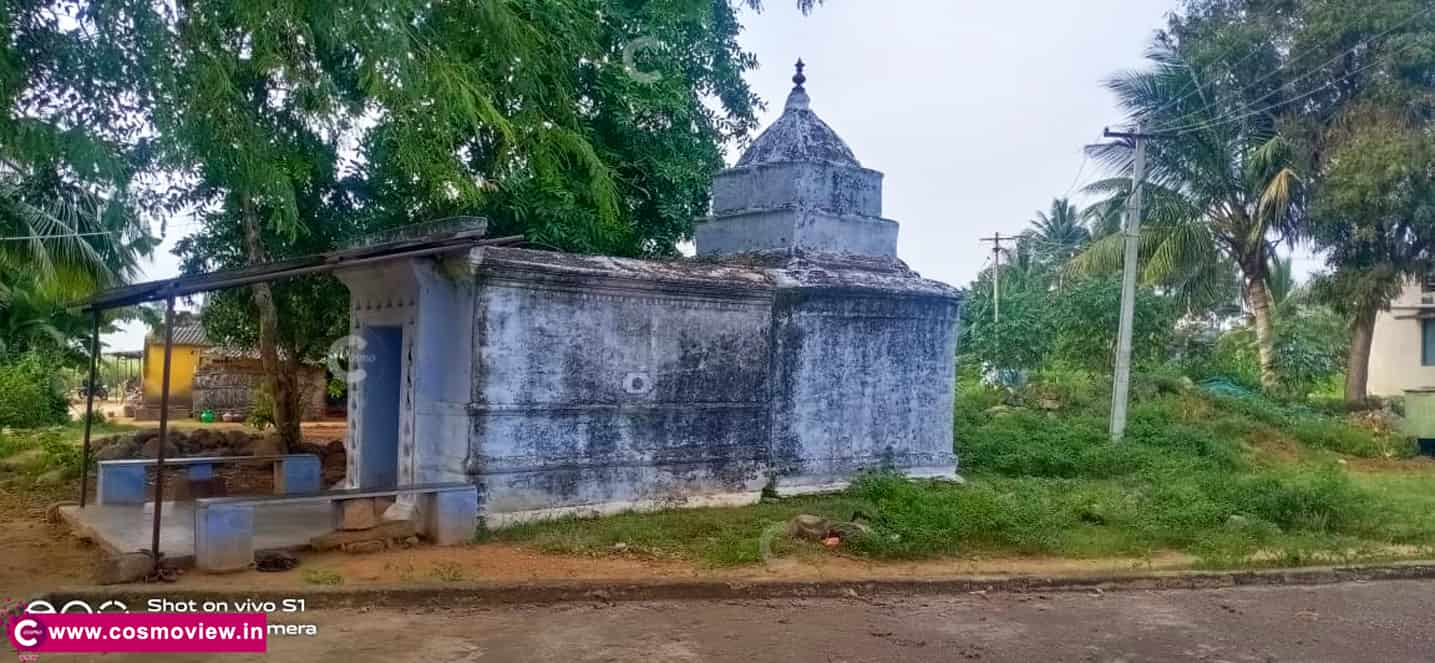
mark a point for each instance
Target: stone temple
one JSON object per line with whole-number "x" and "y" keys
{"x": 792, "y": 353}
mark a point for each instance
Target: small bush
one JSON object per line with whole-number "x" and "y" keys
{"x": 261, "y": 413}
{"x": 925, "y": 520}
{"x": 1322, "y": 500}
{"x": 58, "y": 450}
{"x": 30, "y": 393}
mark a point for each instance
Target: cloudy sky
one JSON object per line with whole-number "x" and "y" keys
{"x": 976, "y": 111}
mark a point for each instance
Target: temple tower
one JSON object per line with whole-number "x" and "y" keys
{"x": 798, "y": 187}
{"x": 863, "y": 353}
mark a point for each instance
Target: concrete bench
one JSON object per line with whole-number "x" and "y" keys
{"x": 224, "y": 526}
{"x": 123, "y": 481}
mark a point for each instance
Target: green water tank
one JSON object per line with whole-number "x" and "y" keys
{"x": 1420, "y": 413}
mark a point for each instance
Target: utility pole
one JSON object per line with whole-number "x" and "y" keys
{"x": 1121, "y": 384}
{"x": 996, "y": 241}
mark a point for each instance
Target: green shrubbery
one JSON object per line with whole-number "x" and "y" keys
{"x": 30, "y": 393}
{"x": 47, "y": 451}
{"x": 1075, "y": 327}
{"x": 1043, "y": 478}
{"x": 1310, "y": 350}
{"x": 1157, "y": 509}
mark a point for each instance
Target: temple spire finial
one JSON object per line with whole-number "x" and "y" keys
{"x": 798, "y": 99}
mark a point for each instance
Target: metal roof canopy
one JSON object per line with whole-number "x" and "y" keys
{"x": 446, "y": 236}
{"x": 320, "y": 263}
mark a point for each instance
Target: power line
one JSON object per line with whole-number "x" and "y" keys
{"x": 31, "y": 238}
{"x": 1080, "y": 170}
{"x": 1363, "y": 43}
{"x": 1257, "y": 49}
{"x": 1216, "y": 122}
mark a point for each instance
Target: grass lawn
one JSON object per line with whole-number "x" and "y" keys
{"x": 1231, "y": 481}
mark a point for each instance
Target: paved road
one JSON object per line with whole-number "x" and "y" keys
{"x": 1383, "y": 621}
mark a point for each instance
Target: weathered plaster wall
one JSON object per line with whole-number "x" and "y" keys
{"x": 803, "y": 206}
{"x": 862, "y": 382}
{"x": 607, "y": 384}
{"x": 1396, "y": 359}
{"x": 570, "y": 384}
{"x": 443, "y": 380}
{"x": 182, "y": 362}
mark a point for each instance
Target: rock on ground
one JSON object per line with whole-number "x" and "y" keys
{"x": 401, "y": 530}
{"x": 124, "y": 568}
{"x": 357, "y": 514}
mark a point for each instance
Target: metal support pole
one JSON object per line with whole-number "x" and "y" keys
{"x": 163, "y": 423}
{"x": 997, "y": 283}
{"x": 89, "y": 406}
{"x": 1121, "y": 384}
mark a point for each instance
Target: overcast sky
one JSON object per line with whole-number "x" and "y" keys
{"x": 976, "y": 111}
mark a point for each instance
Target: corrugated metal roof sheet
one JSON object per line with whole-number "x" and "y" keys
{"x": 443, "y": 242}
{"x": 185, "y": 334}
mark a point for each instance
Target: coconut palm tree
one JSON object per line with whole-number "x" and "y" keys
{"x": 73, "y": 241}
{"x": 1220, "y": 190}
{"x": 1059, "y": 234}
{"x": 1282, "y": 283}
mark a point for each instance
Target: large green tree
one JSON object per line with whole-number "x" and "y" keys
{"x": 1285, "y": 120}
{"x": 1375, "y": 215}
{"x": 588, "y": 125}
{"x": 70, "y": 218}
{"x": 1366, "y": 132}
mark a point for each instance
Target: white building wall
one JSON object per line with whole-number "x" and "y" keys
{"x": 1395, "y": 360}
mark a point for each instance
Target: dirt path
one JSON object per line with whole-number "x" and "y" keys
{"x": 513, "y": 563}
{"x": 37, "y": 556}
{"x": 1384, "y": 621}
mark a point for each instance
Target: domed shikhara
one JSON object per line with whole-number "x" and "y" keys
{"x": 799, "y": 135}
{"x": 798, "y": 189}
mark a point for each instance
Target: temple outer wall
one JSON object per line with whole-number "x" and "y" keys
{"x": 562, "y": 384}
{"x": 603, "y": 385}
{"x": 863, "y": 380}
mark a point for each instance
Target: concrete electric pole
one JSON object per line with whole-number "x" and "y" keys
{"x": 1121, "y": 384}
{"x": 996, "y": 241}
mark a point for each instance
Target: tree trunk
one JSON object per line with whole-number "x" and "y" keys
{"x": 1259, "y": 298}
{"x": 1357, "y": 359}
{"x": 279, "y": 380}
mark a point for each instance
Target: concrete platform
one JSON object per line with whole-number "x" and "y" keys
{"x": 128, "y": 528}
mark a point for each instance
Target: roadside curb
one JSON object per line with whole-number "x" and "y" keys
{"x": 548, "y": 592}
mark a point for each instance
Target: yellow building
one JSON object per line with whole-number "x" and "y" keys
{"x": 202, "y": 375}
{"x": 189, "y": 343}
